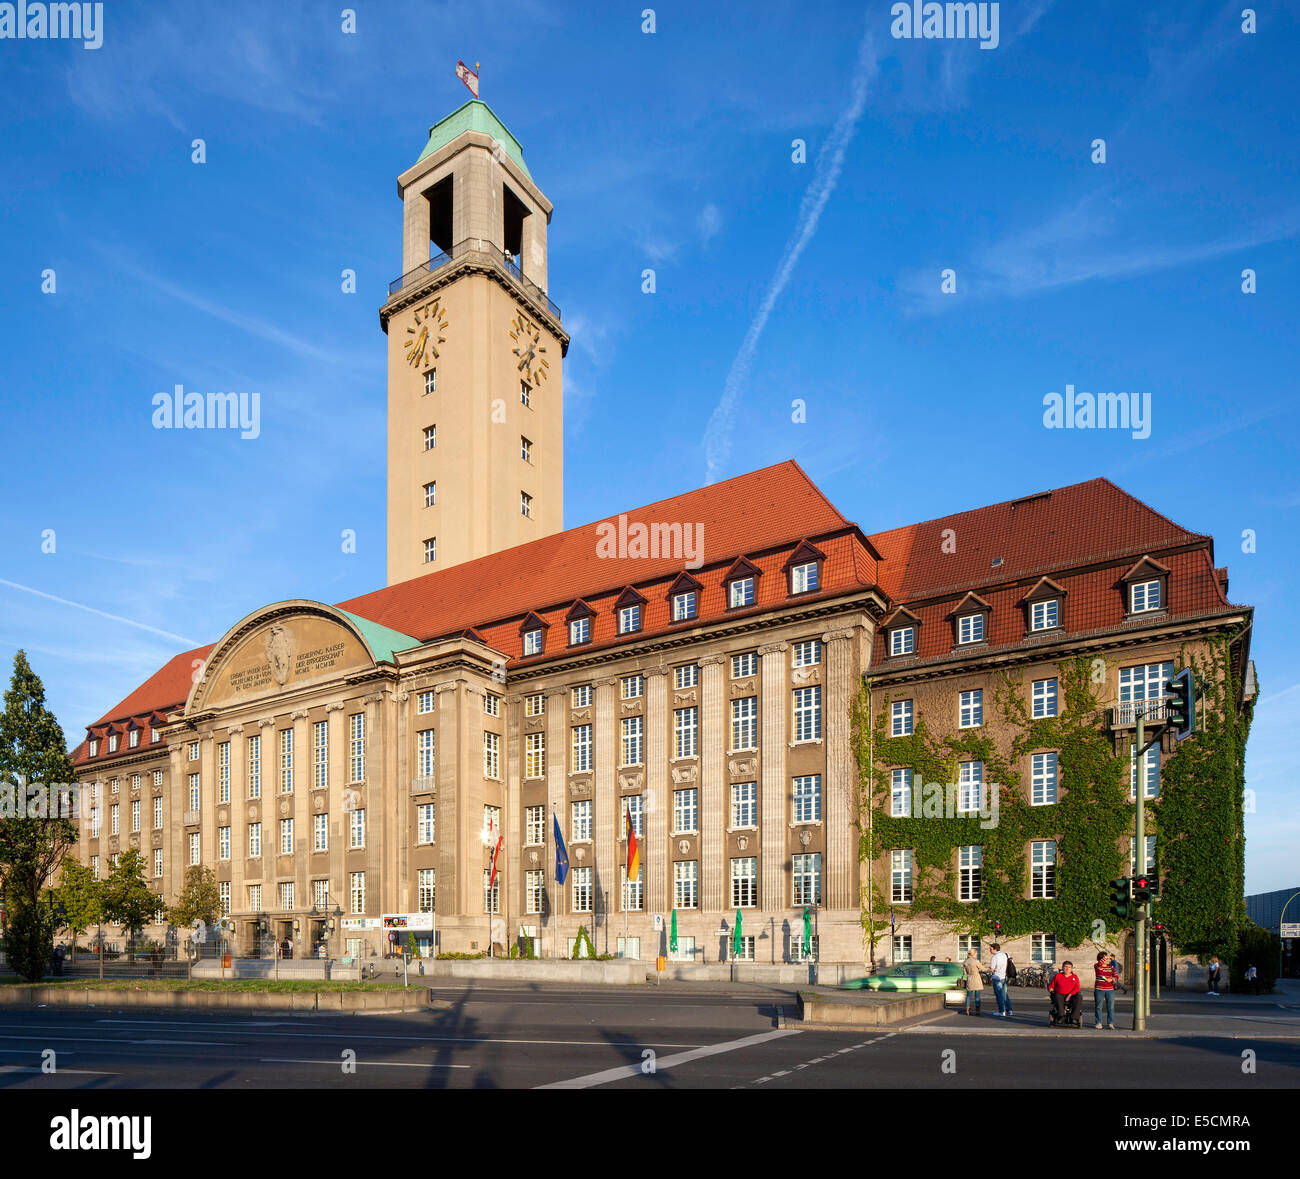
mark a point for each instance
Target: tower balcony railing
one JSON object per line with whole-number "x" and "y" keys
{"x": 424, "y": 785}
{"x": 1125, "y": 714}
{"x": 473, "y": 245}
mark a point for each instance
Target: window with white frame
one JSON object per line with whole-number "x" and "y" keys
{"x": 581, "y": 894}
{"x": 357, "y": 891}
{"x": 194, "y": 847}
{"x": 631, "y": 740}
{"x": 1043, "y": 777}
{"x": 966, "y": 942}
{"x": 580, "y": 697}
{"x": 254, "y": 840}
{"x": 900, "y": 793}
{"x": 157, "y": 863}
{"x": 533, "y": 891}
{"x": 534, "y": 755}
{"x": 157, "y": 777}
{"x": 94, "y": 748}
{"x": 223, "y": 843}
{"x": 133, "y": 738}
{"x": 902, "y": 947}
{"x": 320, "y": 755}
{"x": 1043, "y": 698}
{"x": 357, "y": 746}
{"x": 157, "y": 812}
{"x": 192, "y": 751}
{"x": 1149, "y": 868}
{"x": 430, "y": 549}
{"x": 799, "y": 952}
{"x": 320, "y": 894}
{"x": 970, "y": 866}
{"x": 629, "y": 619}
{"x": 740, "y": 592}
{"x": 112, "y": 742}
{"x": 94, "y": 866}
{"x": 194, "y": 792}
{"x": 1042, "y": 947}
{"x": 525, "y": 504}
{"x": 744, "y": 804}
{"x": 135, "y": 783}
{"x": 431, "y": 494}
{"x": 113, "y": 818}
{"x": 1045, "y": 615}
{"x": 746, "y": 952}
{"x": 634, "y": 810}
{"x": 686, "y": 885}
{"x": 902, "y": 640}
{"x": 807, "y": 878}
{"x": 431, "y": 380}
{"x": 579, "y": 631}
{"x": 135, "y": 814}
{"x": 686, "y": 732}
{"x": 286, "y": 837}
{"x": 580, "y": 821}
{"x": 632, "y": 891}
{"x": 534, "y": 825}
{"x": 430, "y": 437}
{"x": 426, "y": 890}
{"x": 533, "y": 641}
{"x": 808, "y": 713}
{"x": 1042, "y": 869}
{"x": 581, "y": 748}
{"x": 970, "y": 628}
{"x": 425, "y": 822}
{"x": 900, "y": 718}
{"x": 686, "y": 811}
{"x": 1150, "y": 772}
{"x": 255, "y": 897}
{"x": 492, "y": 755}
{"x": 424, "y": 753}
{"x": 971, "y": 709}
{"x": 320, "y": 837}
{"x": 286, "y": 761}
{"x": 744, "y": 882}
{"x": 1144, "y": 596}
{"x": 491, "y": 823}
{"x": 253, "y": 767}
{"x": 631, "y": 687}
{"x": 900, "y": 877}
{"x": 534, "y": 704}
{"x": 491, "y": 704}
{"x": 357, "y": 828}
{"x": 807, "y": 798}
{"x": 112, "y": 783}
{"x": 744, "y": 665}
{"x": 424, "y": 703}
{"x": 970, "y": 786}
{"x": 803, "y": 578}
{"x": 684, "y": 606}
{"x": 744, "y": 724}
{"x": 686, "y": 676}
{"x": 525, "y": 449}
{"x": 807, "y": 652}
{"x": 1146, "y": 681}
{"x": 491, "y": 891}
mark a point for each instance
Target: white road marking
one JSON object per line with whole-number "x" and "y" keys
{"x": 67, "y": 1072}
{"x": 634, "y": 1070}
{"x": 374, "y": 1063}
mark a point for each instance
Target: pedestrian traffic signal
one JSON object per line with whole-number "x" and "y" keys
{"x": 1142, "y": 890}
{"x": 1180, "y": 709}
{"x": 1157, "y": 927}
{"x": 997, "y": 928}
{"x": 1121, "y": 897}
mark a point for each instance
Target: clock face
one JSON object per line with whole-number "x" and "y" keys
{"x": 530, "y": 352}
{"x": 425, "y": 333}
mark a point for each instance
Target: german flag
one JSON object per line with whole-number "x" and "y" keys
{"x": 633, "y": 854}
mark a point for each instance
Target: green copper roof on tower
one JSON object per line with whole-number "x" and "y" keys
{"x": 475, "y": 115}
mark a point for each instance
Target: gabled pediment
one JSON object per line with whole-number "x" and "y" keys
{"x": 683, "y": 584}
{"x": 579, "y": 609}
{"x": 741, "y": 567}
{"x": 629, "y": 597}
{"x": 533, "y": 621}
{"x": 1044, "y": 590}
{"x": 805, "y": 552}
{"x": 1148, "y": 568}
{"x": 972, "y": 603}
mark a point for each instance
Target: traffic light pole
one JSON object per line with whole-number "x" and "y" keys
{"x": 1140, "y": 849}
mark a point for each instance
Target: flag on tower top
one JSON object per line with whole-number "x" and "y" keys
{"x": 468, "y": 76}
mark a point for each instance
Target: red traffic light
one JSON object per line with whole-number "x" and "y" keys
{"x": 1141, "y": 882}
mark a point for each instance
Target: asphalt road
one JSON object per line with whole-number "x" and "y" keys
{"x": 672, "y": 1037}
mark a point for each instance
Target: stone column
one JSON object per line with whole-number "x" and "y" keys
{"x": 336, "y": 730}
{"x": 658, "y": 793}
{"x": 400, "y": 793}
{"x": 775, "y": 690}
{"x": 301, "y": 812}
{"x": 839, "y": 811}
{"x": 606, "y": 819}
{"x": 713, "y": 803}
{"x": 557, "y": 764}
{"x": 450, "y": 899}
{"x": 238, "y": 739}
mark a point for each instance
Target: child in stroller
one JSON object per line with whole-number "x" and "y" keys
{"x": 1065, "y": 998}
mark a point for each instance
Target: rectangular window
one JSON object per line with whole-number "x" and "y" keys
{"x": 491, "y": 823}
{"x": 157, "y": 864}
{"x": 686, "y": 811}
{"x": 286, "y": 896}
{"x": 431, "y": 381}
{"x": 744, "y": 882}
{"x": 1148, "y": 681}
{"x": 808, "y": 798}
{"x": 1150, "y": 772}
{"x": 1045, "y": 615}
{"x": 425, "y": 823}
{"x": 902, "y": 640}
{"x": 1149, "y": 868}
{"x": 424, "y": 703}
{"x": 966, "y": 942}
{"x": 1043, "y": 779}
{"x": 253, "y": 767}
{"x": 1044, "y": 698}
{"x": 686, "y": 885}
{"x": 430, "y": 549}
{"x": 491, "y": 891}
{"x": 112, "y": 818}
{"x": 255, "y": 897}
{"x": 320, "y": 837}
{"x": 194, "y": 792}
{"x": 686, "y": 676}
{"x": 580, "y": 821}
{"x": 686, "y": 732}
{"x": 431, "y": 495}
{"x": 634, "y": 809}
{"x": 424, "y": 751}
{"x": 525, "y": 504}
{"x": 320, "y": 894}
{"x": 286, "y": 837}
{"x": 1042, "y": 947}
{"x": 900, "y": 718}
{"x": 631, "y": 740}
{"x": 744, "y": 665}
{"x": 357, "y": 891}
{"x": 525, "y": 449}
{"x": 900, "y": 877}
{"x": 1042, "y": 865}
{"x": 534, "y": 825}
{"x": 808, "y": 879}
{"x": 632, "y": 891}
{"x": 426, "y": 890}
{"x": 740, "y": 592}
{"x": 223, "y": 843}
{"x": 803, "y": 578}
{"x": 357, "y": 828}
{"x": 631, "y": 687}
{"x": 157, "y": 812}
{"x": 900, "y": 796}
{"x": 808, "y": 713}
{"x": 744, "y": 724}
{"x": 525, "y": 394}
{"x": 133, "y": 738}
{"x": 684, "y": 606}
{"x": 970, "y": 865}
{"x": 357, "y": 746}
{"x": 430, "y": 437}
{"x": 223, "y": 772}
{"x": 581, "y": 897}
{"x": 629, "y": 619}
{"x": 135, "y": 783}
{"x": 286, "y": 761}
{"x": 971, "y": 710}
{"x": 193, "y": 753}
{"x": 534, "y": 705}
{"x": 491, "y": 704}
{"x": 532, "y": 642}
{"x": 157, "y": 777}
{"x": 254, "y": 840}
{"x": 970, "y": 628}
{"x": 581, "y": 748}
{"x": 580, "y": 697}
{"x": 533, "y": 891}
{"x": 807, "y": 653}
{"x": 492, "y": 755}
{"x": 744, "y": 804}
{"x": 534, "y": 755}
{"x": 970, "y": 786}
{"x": 135, "y": 814}
{"x": 320, "y": 748}
{"x": 579, "y": 631}
{"x": 1143, "y": 596}
{"x": 94, "y": 748}
{"x": 194, "y": 847}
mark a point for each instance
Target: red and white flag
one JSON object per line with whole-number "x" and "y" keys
{"x": 468, "y": 76}
{"x": 496, "y": 851}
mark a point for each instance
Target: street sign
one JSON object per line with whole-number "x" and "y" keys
{"x": 1290, "y": 929}
{"x": 659, "y": 922}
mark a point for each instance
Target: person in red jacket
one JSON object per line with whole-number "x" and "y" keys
{"x": 1066, "y": 995}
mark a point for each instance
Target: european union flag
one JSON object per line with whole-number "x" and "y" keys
{"x": 561, "y": 853}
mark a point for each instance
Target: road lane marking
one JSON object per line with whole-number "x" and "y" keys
{"x": 634, "y": 1070}
{"x": 66, "y": 1072}
{"x": 375, "y": 1063}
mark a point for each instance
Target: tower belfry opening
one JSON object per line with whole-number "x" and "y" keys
{"x": 441, "y": 198}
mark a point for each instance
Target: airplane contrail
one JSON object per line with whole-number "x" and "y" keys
{"x": 102, "y": 613}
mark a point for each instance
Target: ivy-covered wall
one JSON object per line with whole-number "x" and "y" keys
{"x": 1197, "y": 820}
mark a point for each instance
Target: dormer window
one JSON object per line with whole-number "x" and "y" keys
{"x": 94, "y": 748}
{"x": 112, "y": 743}
{"x": 1144, "y": 596}
{"x": 579, "y": 631}
{"x": 970, "y": 628}
{"x": 154, "y": 736}
{"x": 902, "y": 640}
{"x": 740, "y": 592}
{"x": 532, "y": 642}
{"x": 804, "y": 578}
{"x": 1045, "y": 615}
{"x": 629, "y": 620}
{"x": 684, "y": 606}
{"x": 134, "y": 739}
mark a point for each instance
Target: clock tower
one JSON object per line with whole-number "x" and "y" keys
{"x": 475, "y": 354}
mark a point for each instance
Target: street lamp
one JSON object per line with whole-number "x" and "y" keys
{"x": 328, "y": 916}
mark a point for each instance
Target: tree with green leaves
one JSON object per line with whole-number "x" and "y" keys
{"x": 33, "y": 754}
{"x": 82, "y": 898}
{"x": 199, "y": 899}
{"x": 128, "y": 900}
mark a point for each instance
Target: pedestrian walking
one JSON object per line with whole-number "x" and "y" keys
{"x": 1252, "y": 977}
{"x": 998, "y": 965}
{"x": 1212, "y": 977}
{"x": 974, "y": 983}
{"x": 1103, "y": 989}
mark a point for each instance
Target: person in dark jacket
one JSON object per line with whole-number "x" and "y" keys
{"x": 1066, "y": 995}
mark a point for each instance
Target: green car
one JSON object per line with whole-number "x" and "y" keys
{"x": 918, "y": 977}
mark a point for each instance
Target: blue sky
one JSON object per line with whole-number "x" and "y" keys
{"x": 775, "y": 281}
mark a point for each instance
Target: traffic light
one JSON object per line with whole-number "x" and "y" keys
{"x": 997, "y": 928}
{"x": 1142, "y": 890}
{"x": 1158, "y": 928}
{"x": 1181, "y": 706}
{"x": 1121, "y": 897}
